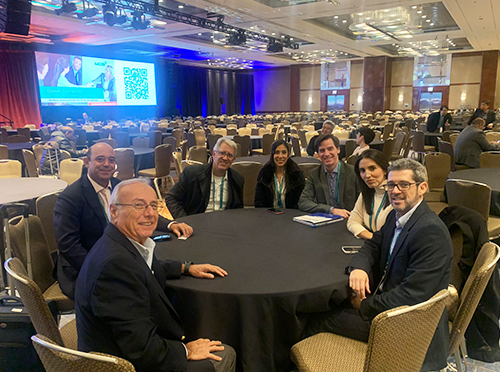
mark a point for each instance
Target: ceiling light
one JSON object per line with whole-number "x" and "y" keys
{"x": 66, "y": 8}
{"x": 414, "y": 7}
{"x": 432, "y": 24}
{"x": 139, "y": 21}
{"x": 109, "y": 14}
{"x": 424, "y": 16}
{"x": 273, "y": 33}
{"x": 419, "y": 11}
{"x": 344, "y": 21}
{"x": 181, "y": 7}
{"x": 199, "y": 33}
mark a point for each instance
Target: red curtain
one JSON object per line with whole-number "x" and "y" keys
{"x": 19, "y": 93}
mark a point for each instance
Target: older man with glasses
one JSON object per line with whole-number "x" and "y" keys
{"x": 81, "y": 214}
{"x": 209, "y": 187}
{"x": 409, "y": 259}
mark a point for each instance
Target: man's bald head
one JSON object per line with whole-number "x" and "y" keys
{"x": 101, "y": 163}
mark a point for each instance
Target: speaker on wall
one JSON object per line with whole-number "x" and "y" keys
{"x": 15, "y": 16}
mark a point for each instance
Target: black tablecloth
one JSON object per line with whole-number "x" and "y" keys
{"x": 279, "y": 271}
{"x": 263, "y": 159}
{"x": 489, "y": 176}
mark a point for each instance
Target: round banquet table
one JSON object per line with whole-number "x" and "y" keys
{"x": 488, "y": 176}
{"x": 263, "y": 159}
{"x": 279, "y": 272}
{"x": 15, "y": 189}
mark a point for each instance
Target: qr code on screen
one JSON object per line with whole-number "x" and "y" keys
{"x": 136, "y": 83}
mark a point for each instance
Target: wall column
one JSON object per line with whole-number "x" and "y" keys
{"x": 377, "y": 83}
{"x": 489, "y": 76}
{"x": 295, "y": 88}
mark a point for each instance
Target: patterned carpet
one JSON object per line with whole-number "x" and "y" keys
{"x": 477, "y": 366}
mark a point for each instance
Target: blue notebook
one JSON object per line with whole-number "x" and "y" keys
{"x": 318, "y": 219}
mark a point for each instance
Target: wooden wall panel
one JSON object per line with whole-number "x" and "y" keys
{"x": 489, "y": 76}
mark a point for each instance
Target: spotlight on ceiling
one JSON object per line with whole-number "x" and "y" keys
{"x": 139, "y": 21}
{"x": 121, "y": 18}
{"x": 109, "y": 14}
{"x": 237, "y": 38}
{"x": 274, "y": 47}
{"x": 66, "y": 8}
{"x": 89, "y": 11}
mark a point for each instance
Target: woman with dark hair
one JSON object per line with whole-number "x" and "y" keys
{"x": 372, "y": 206}
{"x": 280, "y": 181}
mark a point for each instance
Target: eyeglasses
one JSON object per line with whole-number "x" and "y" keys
{"x": 227, "y": 155}
{"x": 141, "y": 207}
{"x": 402, "y": 186}
{"x": 102, "y": 159}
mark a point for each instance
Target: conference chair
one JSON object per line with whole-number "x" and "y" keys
{"x": 350, "y": 146}
{"x": 124, "y": 164}
{"x": 122, "y": 139}
{"x": 493, "y": 136}
{"x": 267, "y": 141}
{"x": 472, "y": 292}
{"x": 45, "y": 205}
{"x": 38, "y": 309}
{"x": 154, "y": 139}
{"x": 438, "y": 169}
{"x": 399, "y": 142}
{"x": 3, "y": 135}
{"x": 221, "y": 131}
{"x": 306, "y": 167}
{"x": 490, "y": 159}
{"x": 388, "y": 348}
{"x": 142, "y": 142}
{"x": 212, "y": 140}
{"x": 191, "y": 140}
{"x": 25, "y": 132}
{"x": 388, "y": 129}
{"x": 446, "y": 135}
{"x": 255, "y": 132}
{"x": 70, "y": 170}
{"x": 419, "y": 149}
{"x": 87, "y": 127}
{"x": 169, "y": 141}
{"x": 302, "y": 137}
{"x": 473, "y": 195}
{"x": 352, "y": 159}
{"x": 30, "y": 126}
{"x": 231, "y": 132}
{"x": 109, "y": 141}
{"x": 244, "y": 142}
{"x": 10, "y": 168}
{"x": 198, "y": 153}
{"x": 453, "y": 138}
{"x": 30, "y": 162}
{"x": 263, "y": 131}
{"x": 250, "y": 170}
{"x": 7, "y": 127}
{"x": 163, "y": 158}
{"x": 388, "y": 146}
{"x": 4, "y": 152}
{"x": 41, "y": 260}
{"x": 245, "y": 131}
{"x": 297, "y": 151}
{"x": 80, "y": 137}
{"x": 56, "y": 358}
{"x": 16, "y": 138}
{"x": 309, "y": 136}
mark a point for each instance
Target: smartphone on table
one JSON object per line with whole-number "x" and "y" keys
{"x": 351, "y": 249}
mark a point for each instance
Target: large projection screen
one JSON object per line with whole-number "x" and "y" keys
{"x": 72, "y": 80}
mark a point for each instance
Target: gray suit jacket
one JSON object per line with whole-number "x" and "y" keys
{"x": 469, "y": 146}
{"x": 315, "y": 197}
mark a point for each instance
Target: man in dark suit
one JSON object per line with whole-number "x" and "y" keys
{"x": 438, "y": 119}
{"x": 210, "y": 187}
{"x": 331, "y": 187}
{"x": 81, "y": 215}
{"x": 485, "y": 113}
{"x": 471, "y": 143}
{"x": 121, "y": 305}
{"x": 74, "y": 75}
{"x": 409, "y": 259}
{"x": 327, "y": 128}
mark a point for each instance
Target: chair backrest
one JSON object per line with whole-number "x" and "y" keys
{"x": 399, "y": 141}
{"x": 45, "y": 205}
{"x": 231, "y": 131}
{"x": 407, "y": 349}
{"x": 4, "y": 152}
{"x": 140, "y": 142}
{"x": 408, "y": 145}
{"x": 438, "y": 168}
{"x": 179, "y": 167}
{"x": 446, "y": 135}
{"x": 309, "y": 136}
{"x": 245, "y": 131}
{"x": 453, "y": 138}
{"x": 472, "y": 292}
{"x": 10, "y": 168}
{"x": 109, "y": 141}
{"x": 470, "y": 194}
{"x": 122, "y": 139}
{"x": 447, "y": 148}
{"x": 199, "y": 137}
{"x": 70, "y": 170}
{"x": 244, "y": 142}
{"x": 198, "y": 153}
{"x": 29, "y": 160}
{"x": 154, "y": 139}
{"x": 163, "y": 158}
{"x": 350, "y": 146}
{"x": 418, "y": 141}
{"x": 30, "y": 126}
{"x": 492, "y": 136}
{"x": 352, "y": 159}
{"x": 212, "y": 140}
{"x": 178, "y": 134}
{"x": 56, "y": 358}
{"x": 124, "y": 164}
{"x": 388, "y": 146}
{"x": 302, "y": 137}
{"x": 221, "y": 131}
{"x": 16, "y": 138}
{"x": 296, "y": 145}
{"x": 388, "y": 128}
{"x": 169, "y": 141}
{"x": 80, "y": 137}
{"x": 267, "y": 141}
{"x": 33, "y": 299}
{"x": 25, "y": 132}
{"x": 263, "y": 131}
{"x": 306, "y": 167}
{"x": 490, "y": 159}
{"x": 250, "y": 171}
{"x": 3, "y": 135}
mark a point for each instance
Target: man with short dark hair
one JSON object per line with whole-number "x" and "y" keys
{"x": 327, "y": 128}
{"x": 409, "y": 260}
{"x": 485, "y": 113}
{"x": 437, "y": 120}
{"x": 208, "y": 187}
{"x": 121, "y": 305}
{"x": 471, "y": 143}
{"x": 331, "y": 187}
{"x": 74, "y": 75}
{"x": 364, "y": 137}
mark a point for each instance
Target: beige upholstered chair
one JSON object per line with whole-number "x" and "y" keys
{"x": 399, "y": 143}
{"x": 308, "y": 136}
{"x": 41, "y": 260}
{"x": 473, "y": 195}
{"x": 245, "y": 131}
{"x": 221, "y": 131}
{"x": 124, "y": 164}
{"x": 30, "y": 126}
{"x": 38, "y": 152}
{"x": 10, "y": 168}
{"x": 297, "y": 150}
{"x": 453, "y": 138}
{"x": 388, "y": 348}
{"x": 178, "y": 134}
{"x": 29, "y": 160}
{"x": 388, "y": 129}
{"x": 4, "y": 152}
{"x": 45, "y": 205}
{"x": 438, "y": 168}
{"x": 163, "y": 158}
{"x": 490, "y": 159}
{"x": 267, "y": 141}
{"x": 244, "y": 142}
{"x": 352, "y": 159}
{"x": 471, "y": 294}
{"x": 140, "y": 142}
{"x": 199, "y": 137}
{"x": 350, "y": 146}
{"x": 250, "y": 171}
{"x": 493, "y": 136}
{"x": 70, "y": 170}
{"x": 307, "y": 167}
{"x": 37, "y": 307}
{"x": 154, "y": 138}
{"x": 198, "y": 153}
{"x": 388, "y": 146}
{"x": 57, "y": 359}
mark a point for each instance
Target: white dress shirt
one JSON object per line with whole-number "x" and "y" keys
{"x": 104, "y": 194}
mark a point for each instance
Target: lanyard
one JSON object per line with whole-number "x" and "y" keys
{"x": 221, "y": 192}
{"x": 337, "y": 188}
{"x": 279, "y": 189}
{"x": 378, "y": 212}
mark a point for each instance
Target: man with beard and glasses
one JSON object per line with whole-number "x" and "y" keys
{"x": 409, "y": 260}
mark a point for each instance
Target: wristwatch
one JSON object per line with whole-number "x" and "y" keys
{"x": 348, "y": 270}
{"x": 187, "y": 265}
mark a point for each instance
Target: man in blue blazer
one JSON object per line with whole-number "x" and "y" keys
{"x": 81, "y": 215}
{"x": 409, "y": 259}
{"x": 121, "y": 305}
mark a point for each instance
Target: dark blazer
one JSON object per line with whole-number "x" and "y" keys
{"x": 316, "y": 195}
{"x": 79, "y": 221}
{"x": 490, "y": 116}
{"x": 190, "y": 195}
{"x": 122, "y": 309}
{"x": 433, "y": 121}
{"x": 418, "y": 268}
{"x": 74, "y": 78}
{"x": 265, "y": 188}
{"x": 470, "y": 144}
{"x": 311, "y": 146}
